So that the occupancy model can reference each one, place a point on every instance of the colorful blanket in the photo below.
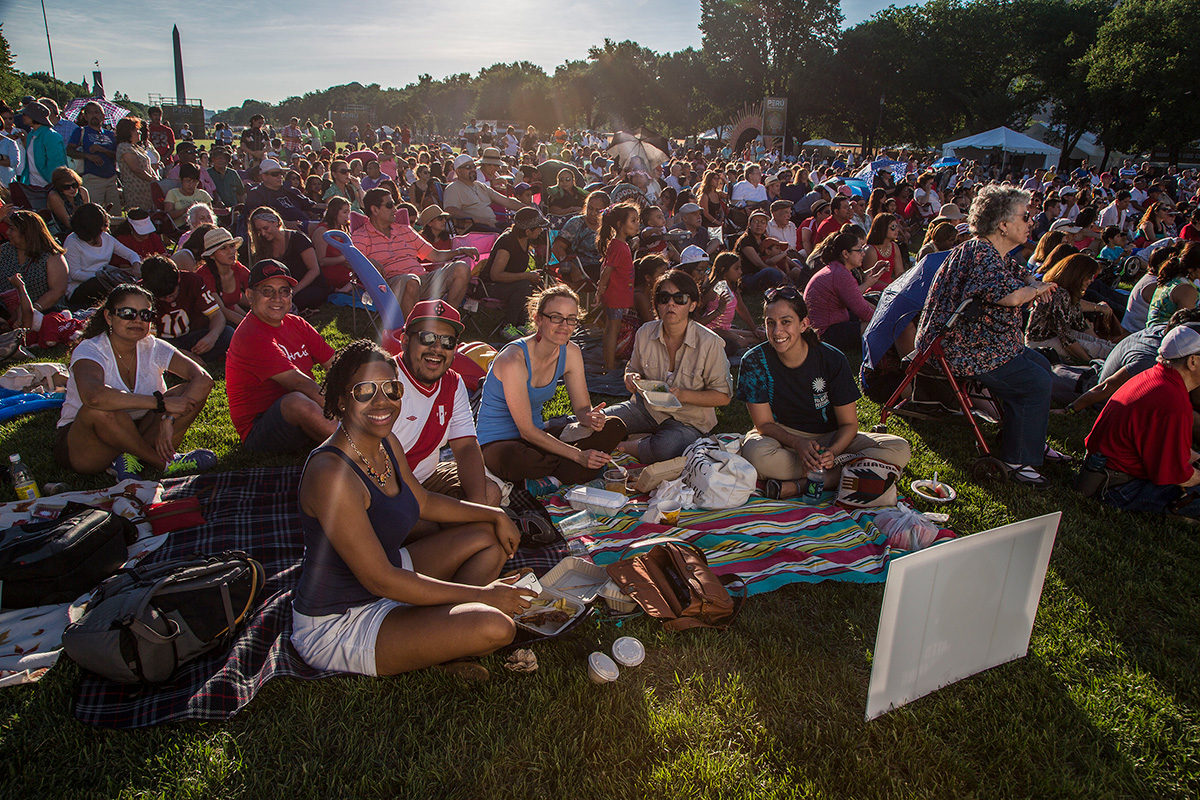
(769, 543)
(255, 511)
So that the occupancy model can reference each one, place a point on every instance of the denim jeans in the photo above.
(1142, 495)
(763, 279)
(667, 439)
(1022, 385)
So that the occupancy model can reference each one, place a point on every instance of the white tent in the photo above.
(819, 143)
(1005, 140)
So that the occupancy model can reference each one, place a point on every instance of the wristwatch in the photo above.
(161, 408)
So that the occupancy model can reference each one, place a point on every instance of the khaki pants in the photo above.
(773, 459)
(102, 191)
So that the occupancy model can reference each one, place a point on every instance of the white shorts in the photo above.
(344, 642)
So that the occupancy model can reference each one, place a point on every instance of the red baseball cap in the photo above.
(438, 310)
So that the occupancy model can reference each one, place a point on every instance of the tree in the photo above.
(1143, 65)
(10, 79)
(626, 76)
(767, 40)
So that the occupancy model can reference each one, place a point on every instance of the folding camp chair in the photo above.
(985, 467)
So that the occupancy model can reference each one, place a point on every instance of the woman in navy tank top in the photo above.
(373, 599)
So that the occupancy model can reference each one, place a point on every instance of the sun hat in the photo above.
(528, 218)
(139, 220)
(269, 165)
(269, 268)
(37, 112)
(1065, 225)
(693, 254)
(951, 211)
(767, 181)
(217, 238)
(491, 157)
(431, 213)
(436, 310)
(1179, 342)
(463, 160)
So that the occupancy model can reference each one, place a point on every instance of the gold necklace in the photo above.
(387, 471)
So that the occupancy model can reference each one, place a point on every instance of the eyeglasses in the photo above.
(429, 338)
(559, 319)
(364, 391)
(678, 298)
(270, 292)
(275, 173)
(129, 313)
(777, 292)
(855, 250)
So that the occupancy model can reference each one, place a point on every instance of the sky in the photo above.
(254, 49)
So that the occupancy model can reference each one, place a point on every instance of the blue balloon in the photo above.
(381, 294)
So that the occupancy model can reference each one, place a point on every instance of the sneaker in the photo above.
(125, 467)
(542, 486)
(196, 461)
(510, 331)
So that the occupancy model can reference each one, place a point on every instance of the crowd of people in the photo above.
(157, 256)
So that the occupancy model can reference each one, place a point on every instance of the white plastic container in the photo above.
(602, 669)
(545, 602)
(656, 394)
(576, 578)
(628, 651)
(597, 501)
(617, 601)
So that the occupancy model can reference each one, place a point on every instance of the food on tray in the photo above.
(551, 618)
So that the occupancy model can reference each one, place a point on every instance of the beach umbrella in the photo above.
(650, 147)
(112, 111)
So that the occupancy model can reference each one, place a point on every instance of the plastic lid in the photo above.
(628, 651)
(603, 666)
(14, 457)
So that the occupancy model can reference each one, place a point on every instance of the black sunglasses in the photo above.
(274, 173)
(678, 298)
(364, 391)
(128, 313)
(785, 292)
(429, 338)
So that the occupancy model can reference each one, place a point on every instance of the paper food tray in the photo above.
(576, 578)
(653, 393)
(545, 602)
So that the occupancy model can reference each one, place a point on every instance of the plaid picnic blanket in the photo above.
(255, 511)
(769, 543)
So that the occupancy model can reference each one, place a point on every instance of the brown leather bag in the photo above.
(673, 583)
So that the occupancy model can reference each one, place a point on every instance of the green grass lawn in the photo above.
(1105, 704)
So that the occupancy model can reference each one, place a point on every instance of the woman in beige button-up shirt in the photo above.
(685, 356)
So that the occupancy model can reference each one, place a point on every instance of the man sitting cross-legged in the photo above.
(274, 402)
(398, 251)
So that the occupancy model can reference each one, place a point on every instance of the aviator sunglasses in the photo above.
(429, 338)
(364, 391)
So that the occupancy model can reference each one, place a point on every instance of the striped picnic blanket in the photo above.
(769, 543)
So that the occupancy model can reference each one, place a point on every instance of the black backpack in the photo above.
(147, 621)
(42, 563)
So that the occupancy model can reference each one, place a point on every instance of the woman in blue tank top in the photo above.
(373, 599)
(516, 443)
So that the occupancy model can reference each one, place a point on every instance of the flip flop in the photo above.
(774, 489)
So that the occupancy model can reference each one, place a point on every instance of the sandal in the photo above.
(1023, 473)
(774, 489)
(1055, 457)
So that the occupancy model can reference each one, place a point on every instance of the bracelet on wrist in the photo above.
(161, 406)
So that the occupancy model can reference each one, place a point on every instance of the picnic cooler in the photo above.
(42, 563)
(146, 621)
(674, 584)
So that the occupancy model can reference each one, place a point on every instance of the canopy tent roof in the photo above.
(1001, 138)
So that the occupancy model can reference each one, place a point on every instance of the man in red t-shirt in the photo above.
(274, 401)
(1144, 433)
(188, 315)
(840, 205)
(160, 135)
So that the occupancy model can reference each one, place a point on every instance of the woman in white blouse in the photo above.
(89, 250)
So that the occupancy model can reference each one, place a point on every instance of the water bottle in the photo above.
(22, 478)
(816, 484)
(1092, 479)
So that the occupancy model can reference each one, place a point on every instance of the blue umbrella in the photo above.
(947, 161)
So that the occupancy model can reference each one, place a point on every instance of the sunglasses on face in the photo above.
(342, 171)
(388, 205)
(270, 292)
(67, 186)
(364, 391)
(128, 313)
(559, 319)
(678, 298)
(429, 339)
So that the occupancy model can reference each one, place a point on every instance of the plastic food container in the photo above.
(628, 651)
(576, 578)
(657, 394)
(617, 601)
(614, 480)
(928, 490)
(602, 669)
(597, 501)
(541, 616)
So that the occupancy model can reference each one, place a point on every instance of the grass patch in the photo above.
(1105, 705)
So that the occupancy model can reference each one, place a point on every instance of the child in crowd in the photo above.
(188, 194)
(619, 224)
(137, 232)
(723, 300)
(1116, 244)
